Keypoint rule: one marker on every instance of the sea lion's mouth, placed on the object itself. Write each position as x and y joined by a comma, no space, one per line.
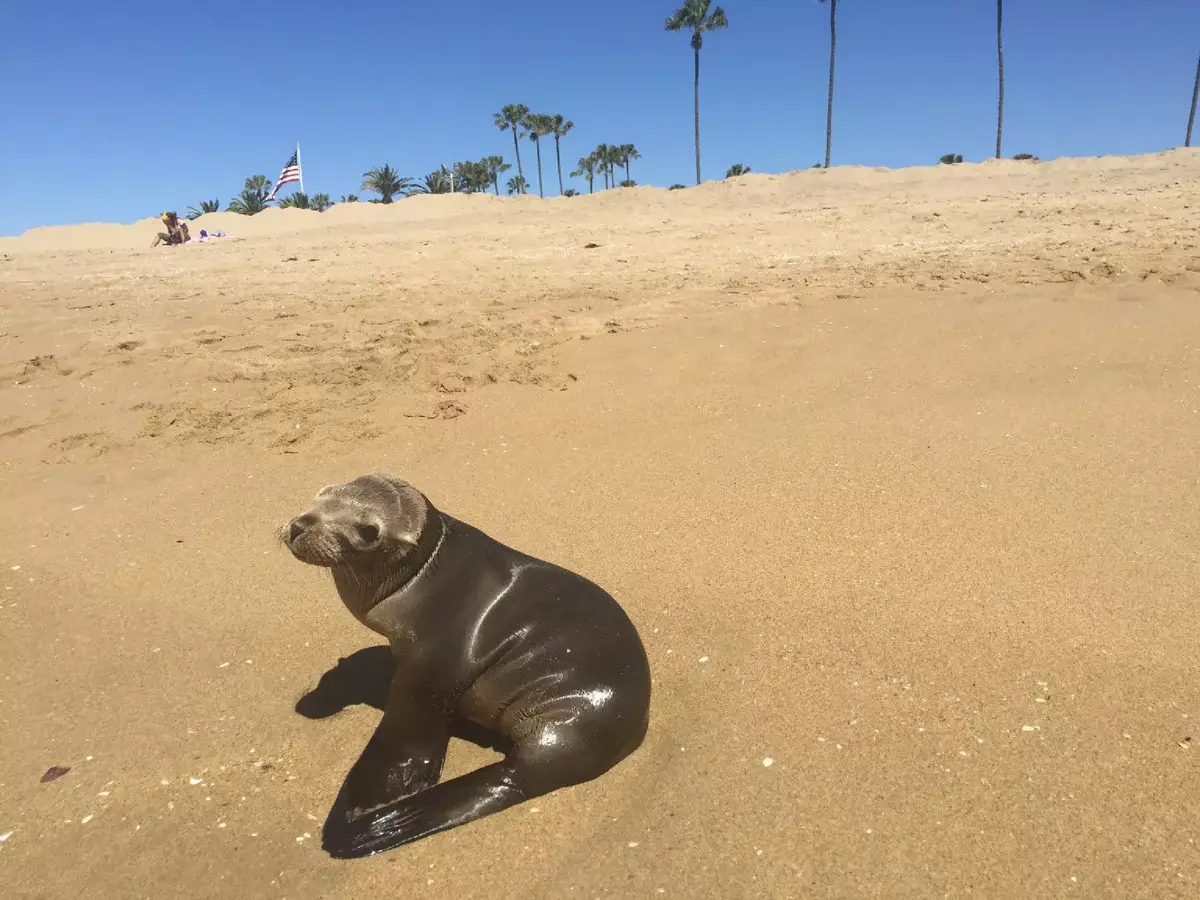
311,545
313,556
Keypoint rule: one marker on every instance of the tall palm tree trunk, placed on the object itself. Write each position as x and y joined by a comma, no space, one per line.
1192,118
628,177
696,91
538,146
1000,61
832,56
558,158
517,150
496,182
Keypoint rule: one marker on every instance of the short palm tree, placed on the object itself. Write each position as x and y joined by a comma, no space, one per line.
697,17
349,198
538,126
320,202
587,169
737,169
436,182
626,153
517,185
386,182
832,53
253,198
496,166
206,206
298,200
560,128
472,177
512,118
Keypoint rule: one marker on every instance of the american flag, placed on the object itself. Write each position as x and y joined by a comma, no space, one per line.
290,173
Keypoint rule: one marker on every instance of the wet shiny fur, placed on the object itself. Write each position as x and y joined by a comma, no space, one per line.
539,656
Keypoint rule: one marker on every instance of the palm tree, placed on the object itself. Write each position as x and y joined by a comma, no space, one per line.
695,15
436,182
517,185
206,206
320,202
601,154
560,128
832,53
608,157
496,167
614,160
253,198
1187,141
386,182
472,177
538,126
587,169
349,198
298,200
512,117
737,169
626,153
1000,61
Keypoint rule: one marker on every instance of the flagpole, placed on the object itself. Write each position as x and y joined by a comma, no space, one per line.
300,167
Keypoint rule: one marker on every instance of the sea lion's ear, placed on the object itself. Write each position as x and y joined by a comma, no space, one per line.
325,490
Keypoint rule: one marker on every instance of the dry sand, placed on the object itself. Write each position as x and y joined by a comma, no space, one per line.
896,471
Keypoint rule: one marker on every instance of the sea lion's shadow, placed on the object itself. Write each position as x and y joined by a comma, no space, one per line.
363,678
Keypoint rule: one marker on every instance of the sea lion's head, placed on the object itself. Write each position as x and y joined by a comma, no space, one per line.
370,523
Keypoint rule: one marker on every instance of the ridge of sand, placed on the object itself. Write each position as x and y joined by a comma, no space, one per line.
423,208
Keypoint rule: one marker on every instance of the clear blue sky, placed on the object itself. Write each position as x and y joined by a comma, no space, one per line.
115,111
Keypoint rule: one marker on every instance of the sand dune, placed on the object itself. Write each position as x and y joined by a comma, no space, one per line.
908,457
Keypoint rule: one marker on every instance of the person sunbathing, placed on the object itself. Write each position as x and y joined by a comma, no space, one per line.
176,233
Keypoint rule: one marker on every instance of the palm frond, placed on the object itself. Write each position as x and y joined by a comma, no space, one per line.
690,15
297,200
560,127
716,20
253,198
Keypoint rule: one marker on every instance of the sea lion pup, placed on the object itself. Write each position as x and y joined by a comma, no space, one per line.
523,648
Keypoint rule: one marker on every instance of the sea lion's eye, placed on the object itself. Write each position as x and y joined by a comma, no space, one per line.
368,533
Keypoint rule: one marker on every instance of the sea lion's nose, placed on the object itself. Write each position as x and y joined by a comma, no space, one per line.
296,530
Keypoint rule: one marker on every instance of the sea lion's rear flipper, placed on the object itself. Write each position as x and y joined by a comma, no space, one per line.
455,802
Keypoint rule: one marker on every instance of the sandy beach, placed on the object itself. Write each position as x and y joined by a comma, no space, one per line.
897,473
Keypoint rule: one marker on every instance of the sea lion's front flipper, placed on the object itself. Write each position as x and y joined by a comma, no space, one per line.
404,756
455,802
